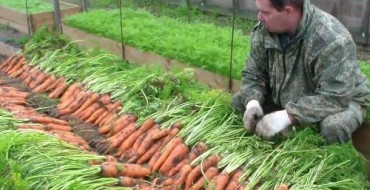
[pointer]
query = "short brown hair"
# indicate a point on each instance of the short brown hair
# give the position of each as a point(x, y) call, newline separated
point(280, 4)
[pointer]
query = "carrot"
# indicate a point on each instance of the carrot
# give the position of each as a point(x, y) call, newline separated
point(77, 99)
point(282, 187)
point(210, 173)
point(115, 169)
point(212, 183)
point(92, 98)
point(32, 127)
point(127, 181)
point(167, 182)
point(120, 137)
point(13, 63)
point(176, 155)
point(95, 115)
point(131, 139)
point(58, 90)
point(171, 145)
point(17, 66)
point(149, 153)
point(70, 90)
point(154, 158)
point(197, 171)
point(131, 154)
point(222, 180)
point(57, 127)
point(38, 79)
point(55, 84)
point(101, 117)
point(110, 119)
point(233, 183)
point(24, 69)
point(6, 63)
point(89, 111)
point(160, 134)
point(148, 141)
point(41, 88)
point(122, 122)
point(41, 118)
point(182, 175)
point(194, 153)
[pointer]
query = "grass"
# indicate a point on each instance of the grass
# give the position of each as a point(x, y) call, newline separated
point(33, 6)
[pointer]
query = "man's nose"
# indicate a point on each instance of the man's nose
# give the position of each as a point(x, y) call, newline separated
point(260, 17)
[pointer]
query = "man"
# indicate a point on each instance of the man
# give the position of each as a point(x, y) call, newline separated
point(303, 69)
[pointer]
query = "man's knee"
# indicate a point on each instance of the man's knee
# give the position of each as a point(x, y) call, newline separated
point(338, 128)
point(336, 132)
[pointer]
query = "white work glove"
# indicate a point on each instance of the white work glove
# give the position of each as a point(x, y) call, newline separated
point(252, 115)
point(273, 123)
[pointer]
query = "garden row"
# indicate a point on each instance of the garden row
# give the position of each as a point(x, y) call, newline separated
point(154, 102)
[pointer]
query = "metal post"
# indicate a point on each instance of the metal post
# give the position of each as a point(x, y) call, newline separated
point(57, 20)
point(85, 5)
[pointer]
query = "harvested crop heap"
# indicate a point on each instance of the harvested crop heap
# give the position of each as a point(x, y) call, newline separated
point(151, 134)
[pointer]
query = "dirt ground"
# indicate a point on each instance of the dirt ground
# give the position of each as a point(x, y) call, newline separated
point(11, 36)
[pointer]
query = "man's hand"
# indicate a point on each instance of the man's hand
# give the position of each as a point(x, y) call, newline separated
point(273, 123)
point(252, 115)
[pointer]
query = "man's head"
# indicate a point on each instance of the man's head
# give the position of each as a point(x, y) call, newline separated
point(280, 16)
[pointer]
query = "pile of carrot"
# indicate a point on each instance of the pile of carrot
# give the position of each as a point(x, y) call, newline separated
point(140, 149)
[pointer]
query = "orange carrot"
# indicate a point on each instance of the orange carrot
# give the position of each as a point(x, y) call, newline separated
point(176, 155)
point(149, 153)
point(160, 134)
point(115, 169)
point(6, 63)
point(194, 153)
point(127, 181)
point(148, 141)
point(171, 145)
point(210, 173)
point(120, 137)
point(282, 187)
point(58, 90)
point(101, 117)
point(155, 157)
point(131, 139)
point(92, 98)
point(57, 127)
point(70, 90)
point(222, 180)
point(46, 83)
point(122, 122)
point(95, 115)
point(89, 111)
point(197, 171)
point(17, 66)
point(38, 79)
point(182, 175)
point(233, 183)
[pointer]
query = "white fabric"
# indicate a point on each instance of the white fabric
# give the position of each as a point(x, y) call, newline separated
point(273, 123)
point(252, 115)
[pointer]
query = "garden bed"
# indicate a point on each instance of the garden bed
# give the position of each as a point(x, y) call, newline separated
point(28, 23)
point(134, 55)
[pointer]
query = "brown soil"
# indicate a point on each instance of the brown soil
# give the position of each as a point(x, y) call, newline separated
point(43, 104)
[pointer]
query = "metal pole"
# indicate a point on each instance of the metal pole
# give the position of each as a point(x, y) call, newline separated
point(85, 5)
point(29, 21)
point(57, 20)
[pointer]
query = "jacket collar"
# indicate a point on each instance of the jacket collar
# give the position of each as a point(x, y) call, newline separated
point(272, 40)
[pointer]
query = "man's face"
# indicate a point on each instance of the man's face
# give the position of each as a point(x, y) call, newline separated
point(273, 20)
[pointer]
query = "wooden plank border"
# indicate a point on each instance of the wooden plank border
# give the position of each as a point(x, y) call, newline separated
point(18, 20)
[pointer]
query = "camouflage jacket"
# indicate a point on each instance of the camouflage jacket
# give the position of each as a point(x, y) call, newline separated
point(317, 74)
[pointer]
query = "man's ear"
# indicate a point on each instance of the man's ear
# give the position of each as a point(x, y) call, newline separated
point(290, 9)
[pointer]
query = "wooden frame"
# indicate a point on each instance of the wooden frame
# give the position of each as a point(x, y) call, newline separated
point(32, 22)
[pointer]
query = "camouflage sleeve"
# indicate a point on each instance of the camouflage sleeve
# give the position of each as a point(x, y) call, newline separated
point(254, 74)
point(335, 77)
